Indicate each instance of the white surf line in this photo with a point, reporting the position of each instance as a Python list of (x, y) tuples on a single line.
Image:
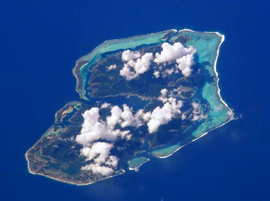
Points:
[(215, 62)]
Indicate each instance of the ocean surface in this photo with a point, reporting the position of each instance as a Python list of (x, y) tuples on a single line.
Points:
[(39, 44)]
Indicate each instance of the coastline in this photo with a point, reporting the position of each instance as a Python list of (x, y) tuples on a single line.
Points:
[(215, 62), (218, 92)]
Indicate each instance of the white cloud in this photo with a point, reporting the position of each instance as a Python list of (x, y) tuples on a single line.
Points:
[(169, 71), (159, 116), (135, 64), (133, 69), (112, 161), (147, 116), (91, 116), (183, 56), (164, 92), (185, 63), (130, 55), (163, 115), (95, 128), (156, 74), (139, 114), (105, 105), (98, 169), (184, 116), (154, 119), (128, 118), (111, 67), (127, 72), (115, 116), (99, 150), (103, 163), (172, 52), (125, 134), (142, 64), (163, 97)]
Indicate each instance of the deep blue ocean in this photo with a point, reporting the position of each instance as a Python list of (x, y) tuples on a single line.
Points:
[(39, 44)]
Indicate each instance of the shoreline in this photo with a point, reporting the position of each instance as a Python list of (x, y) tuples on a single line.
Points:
[(215, 62), (218, 92)]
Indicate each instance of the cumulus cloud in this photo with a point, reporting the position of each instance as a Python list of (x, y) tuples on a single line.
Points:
[(142, 64), (105, 105), (130, 55), (112, 161), (136, 64), (175, 53), (133, 69), (128, 118), (172, 52), (99, 151), (163, 115), (169, 71), (94, 129), (102, 162), (111, 67), (185, 63), (164, 92), (115, 116), (90, 119), (159, 117), (156, 74), (99, 169), (147, 116), (127, 72), (154, 119)]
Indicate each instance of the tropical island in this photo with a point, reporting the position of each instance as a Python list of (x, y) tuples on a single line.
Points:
[(141, 98)]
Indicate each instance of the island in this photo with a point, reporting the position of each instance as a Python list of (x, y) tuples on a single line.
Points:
[(141, 98)]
